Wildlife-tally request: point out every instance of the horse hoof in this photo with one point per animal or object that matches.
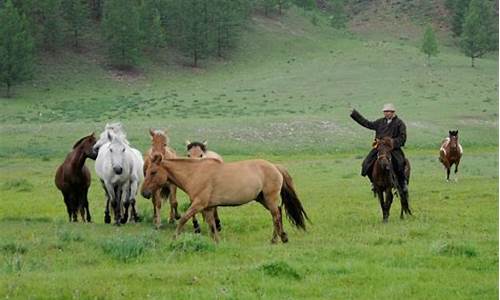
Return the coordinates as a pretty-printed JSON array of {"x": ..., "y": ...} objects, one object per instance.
[
  {"x": 177, "y": 216},
  {"x": 137, "y": 218},
  {"x": 197, "y": 230},
  {"x": 123, "y": 220},
  {"x": 171, "y": 221},
  {"x": 385, "y": 220},
  {"x": 218, "y": 226},
  {"x": 107, "y": 219},
  {"x": 284, "y": 237}
]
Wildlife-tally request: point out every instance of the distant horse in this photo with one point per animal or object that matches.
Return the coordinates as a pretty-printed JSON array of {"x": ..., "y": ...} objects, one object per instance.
[
  {"x": 210, "y": 183},
  {"x": 450, "y": 153},
  {"x": 199, "y": 150},
  {"x": 160, "y": 145},
  {"x": 73, "y": 178},
  {"x": 384, "y": 179},
  {"x": 120, "y": 169}
]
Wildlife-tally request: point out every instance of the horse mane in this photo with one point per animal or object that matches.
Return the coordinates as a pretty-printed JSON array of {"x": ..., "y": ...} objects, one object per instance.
[
  {"x": 79, "y": 142},
  {"x": 202, "y": 146}
]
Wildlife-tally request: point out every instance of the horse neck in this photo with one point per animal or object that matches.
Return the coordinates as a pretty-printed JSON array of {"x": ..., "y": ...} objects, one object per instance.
[
  {"x": 77, "y": 158},
  {"x": 180, "y": 173}
]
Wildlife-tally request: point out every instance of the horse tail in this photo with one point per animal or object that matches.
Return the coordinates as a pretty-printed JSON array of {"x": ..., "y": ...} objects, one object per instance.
[{"x": 294, "y": 210}]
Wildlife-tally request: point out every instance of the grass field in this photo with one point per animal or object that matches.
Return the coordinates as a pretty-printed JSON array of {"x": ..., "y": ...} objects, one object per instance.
[{"x": 284, "y": 95}]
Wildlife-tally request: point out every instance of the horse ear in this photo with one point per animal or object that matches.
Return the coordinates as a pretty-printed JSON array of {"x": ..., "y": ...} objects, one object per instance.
[
  {"x": 157, "y": 158},
  {"x": 92, "y": 134},
  {"x": 187, "y": 142},
  {"x": 205, "y": 143},
  {"x": 151, "y": 132},
  {"x": 450, "y": 132}
]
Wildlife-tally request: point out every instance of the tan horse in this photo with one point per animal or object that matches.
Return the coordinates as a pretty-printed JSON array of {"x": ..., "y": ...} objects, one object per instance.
[
  {"x": 450, "y": 153},
  {"x": 159, "y": 145},
  {"x": 210, "y": 183}
]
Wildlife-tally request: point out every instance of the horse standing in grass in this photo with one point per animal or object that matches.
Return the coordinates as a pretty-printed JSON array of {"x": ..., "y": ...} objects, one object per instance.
[
  {"x": 120, "y": 169},
  {"x": 210, "y": 183},
  {"x": 450, "y": 153},
  {"x": 160, "y": 145},
  {"x": 384, "y": 179},
  {"x": 73, "y": 179}
]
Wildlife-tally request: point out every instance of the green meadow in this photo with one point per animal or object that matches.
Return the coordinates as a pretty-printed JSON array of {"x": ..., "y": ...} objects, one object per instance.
[{"x": 284, "y": 95}]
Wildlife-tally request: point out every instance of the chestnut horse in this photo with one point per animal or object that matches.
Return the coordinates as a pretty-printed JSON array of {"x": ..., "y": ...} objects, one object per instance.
[
  {"x": 210, "y": 183},
  {"x": 384, "y": 178},
  {"x": 450, "y": 153},
  {"x": 73, "y": 179},
  {"x": 159, "y": 145}
]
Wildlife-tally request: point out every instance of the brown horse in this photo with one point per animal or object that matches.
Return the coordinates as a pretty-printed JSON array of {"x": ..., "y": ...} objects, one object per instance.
[
  {"x": 210, "y": 183},
  {"x": 384, "y": 179},
  {"x": 450, "y": 153},
  {"x": 159, "y": 145},
  {"x": 73, "y": 178}
]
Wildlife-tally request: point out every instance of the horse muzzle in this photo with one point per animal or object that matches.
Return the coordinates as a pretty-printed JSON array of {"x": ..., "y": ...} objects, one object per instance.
[
  {"x": 118, "y": 170},
  {"x": 146, "y": 194}
]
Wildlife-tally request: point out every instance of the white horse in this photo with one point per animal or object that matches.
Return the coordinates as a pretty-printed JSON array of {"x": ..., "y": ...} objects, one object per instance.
[{"x": 120, "y": 169}]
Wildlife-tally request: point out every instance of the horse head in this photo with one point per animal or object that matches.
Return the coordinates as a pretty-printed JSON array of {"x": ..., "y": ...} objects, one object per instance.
[
  {"x": 86, "y": 144},
  {"x": 453, "y": 135},
  {"x": 117, "y": 152},
  {"x": 384, "y": 147},
  {"x": 116, "y": 129},
  {"x": 196, "y": 149},
  {"x": 156, "y": 176},
  {"x": 159, "y": 139}
]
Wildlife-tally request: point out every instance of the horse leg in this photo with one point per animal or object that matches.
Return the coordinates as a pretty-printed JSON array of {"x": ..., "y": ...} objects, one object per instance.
[
  {"x": 124, "y": 202},
  {"x": 85, "y": 203},
  {"x": 174, "y": 214},
  {"x": 156, "y": 200},
  {"x": 116, "y": 204},
  {"x": 388, "y": 201},
  {"x": 283, "y": 235},
  {"x": 217, "y": 220},
  {"x": 210, "y": 219},
  {"x": 196, "y": 225},
  {"x": 193, "y": 209},
  {"x": 270, "y": 201},
  {"x": 448, "y": 173},
  {"x": 380, "y": 195},
  {"x": 67, "y": 201},
  {"x": 456, "y": 170},
  {"x": 133, "y": 192},
  {"x": 107, "y": 190}
]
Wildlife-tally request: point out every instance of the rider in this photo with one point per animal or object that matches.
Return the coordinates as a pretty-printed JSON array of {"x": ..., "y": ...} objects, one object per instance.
[{"x": 388, "y": 126}]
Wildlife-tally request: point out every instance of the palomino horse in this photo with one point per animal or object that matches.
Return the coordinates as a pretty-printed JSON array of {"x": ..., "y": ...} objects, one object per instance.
[
  {"x": 73, "y": 178},
  {"x": 450, "y": 153},
  {"x": 210, "y": 183},
  {"x": 384, "y": 179},
  {"x": 199, "y": 150},
  {"x": 120, "y": 169},
  {"x": 159, "y": 145}
]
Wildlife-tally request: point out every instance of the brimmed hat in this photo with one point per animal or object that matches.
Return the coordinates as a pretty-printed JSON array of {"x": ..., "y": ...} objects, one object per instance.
[{"x": 389, "y": 107}]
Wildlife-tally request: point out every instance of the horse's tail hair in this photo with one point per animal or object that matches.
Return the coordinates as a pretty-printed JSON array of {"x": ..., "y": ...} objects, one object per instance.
[{"x": 293, "y": 208}]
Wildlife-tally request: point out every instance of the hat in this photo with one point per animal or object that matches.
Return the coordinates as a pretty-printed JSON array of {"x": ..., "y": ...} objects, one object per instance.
[{"x": 389, "y": 107}]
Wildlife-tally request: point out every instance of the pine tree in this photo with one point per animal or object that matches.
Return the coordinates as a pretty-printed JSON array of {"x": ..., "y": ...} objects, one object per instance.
[
  {"x": 121, "y": 31},
  {"x": 153, "y": 33},
  {"x": 16, "y": 47},
  {"x": 479, "y": 34},
  {"x": 339, "y": 18},
  {"x": 429, "y": 44},
  {"x": 76, "y": 14},
  {"x": 52, "y": 33}
]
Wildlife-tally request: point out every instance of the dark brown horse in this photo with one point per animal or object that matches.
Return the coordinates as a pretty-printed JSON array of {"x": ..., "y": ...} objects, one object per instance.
[
  {"x": 450, "y": 153},
  {"x": 73, "y": 179},
  {"x": 384, "y": 179}
]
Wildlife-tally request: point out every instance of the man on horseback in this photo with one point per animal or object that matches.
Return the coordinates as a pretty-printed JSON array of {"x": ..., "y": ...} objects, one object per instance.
[{"x": 388, "y": 126}]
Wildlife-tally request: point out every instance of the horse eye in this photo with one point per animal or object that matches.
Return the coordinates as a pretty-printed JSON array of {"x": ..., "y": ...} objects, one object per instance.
[
  {"x": 153, "y": 172},
  {"x": 189, "y": 155},
  {"x": 123, "y": 150},
  {"x": 110, "y": 150},
  {"x": 201, "y": 155}
]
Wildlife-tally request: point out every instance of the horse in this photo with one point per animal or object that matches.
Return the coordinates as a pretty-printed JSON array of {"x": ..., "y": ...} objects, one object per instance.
[
  {"x": 120, "y": 169},
  {"x": 210, "y": 183},
  {"x": 384, "y": 179},
  {"x": 159, "y": 144},
  {"x": 450, "y": 153},
  {"x": 199, "y": 150},
  {"x": 73, "y": 178}
]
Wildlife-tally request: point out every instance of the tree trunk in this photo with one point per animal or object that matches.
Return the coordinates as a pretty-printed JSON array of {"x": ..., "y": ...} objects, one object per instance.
[
  {"x": 472, "y": 61},
  {"x": 8, "y": 89}
]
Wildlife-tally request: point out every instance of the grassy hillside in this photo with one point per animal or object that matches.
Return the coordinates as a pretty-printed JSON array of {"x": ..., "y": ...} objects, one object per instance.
[{"x": 284, "y": 95}]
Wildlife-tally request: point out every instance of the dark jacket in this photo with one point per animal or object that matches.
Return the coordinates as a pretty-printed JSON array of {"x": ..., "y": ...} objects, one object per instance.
[{"x": 396, "y": 129}]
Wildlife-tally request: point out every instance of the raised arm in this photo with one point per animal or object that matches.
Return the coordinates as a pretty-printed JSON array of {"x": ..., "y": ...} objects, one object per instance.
[
  {"x": 400, "y": 140},
  {"x": 356, "y": 116}
]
